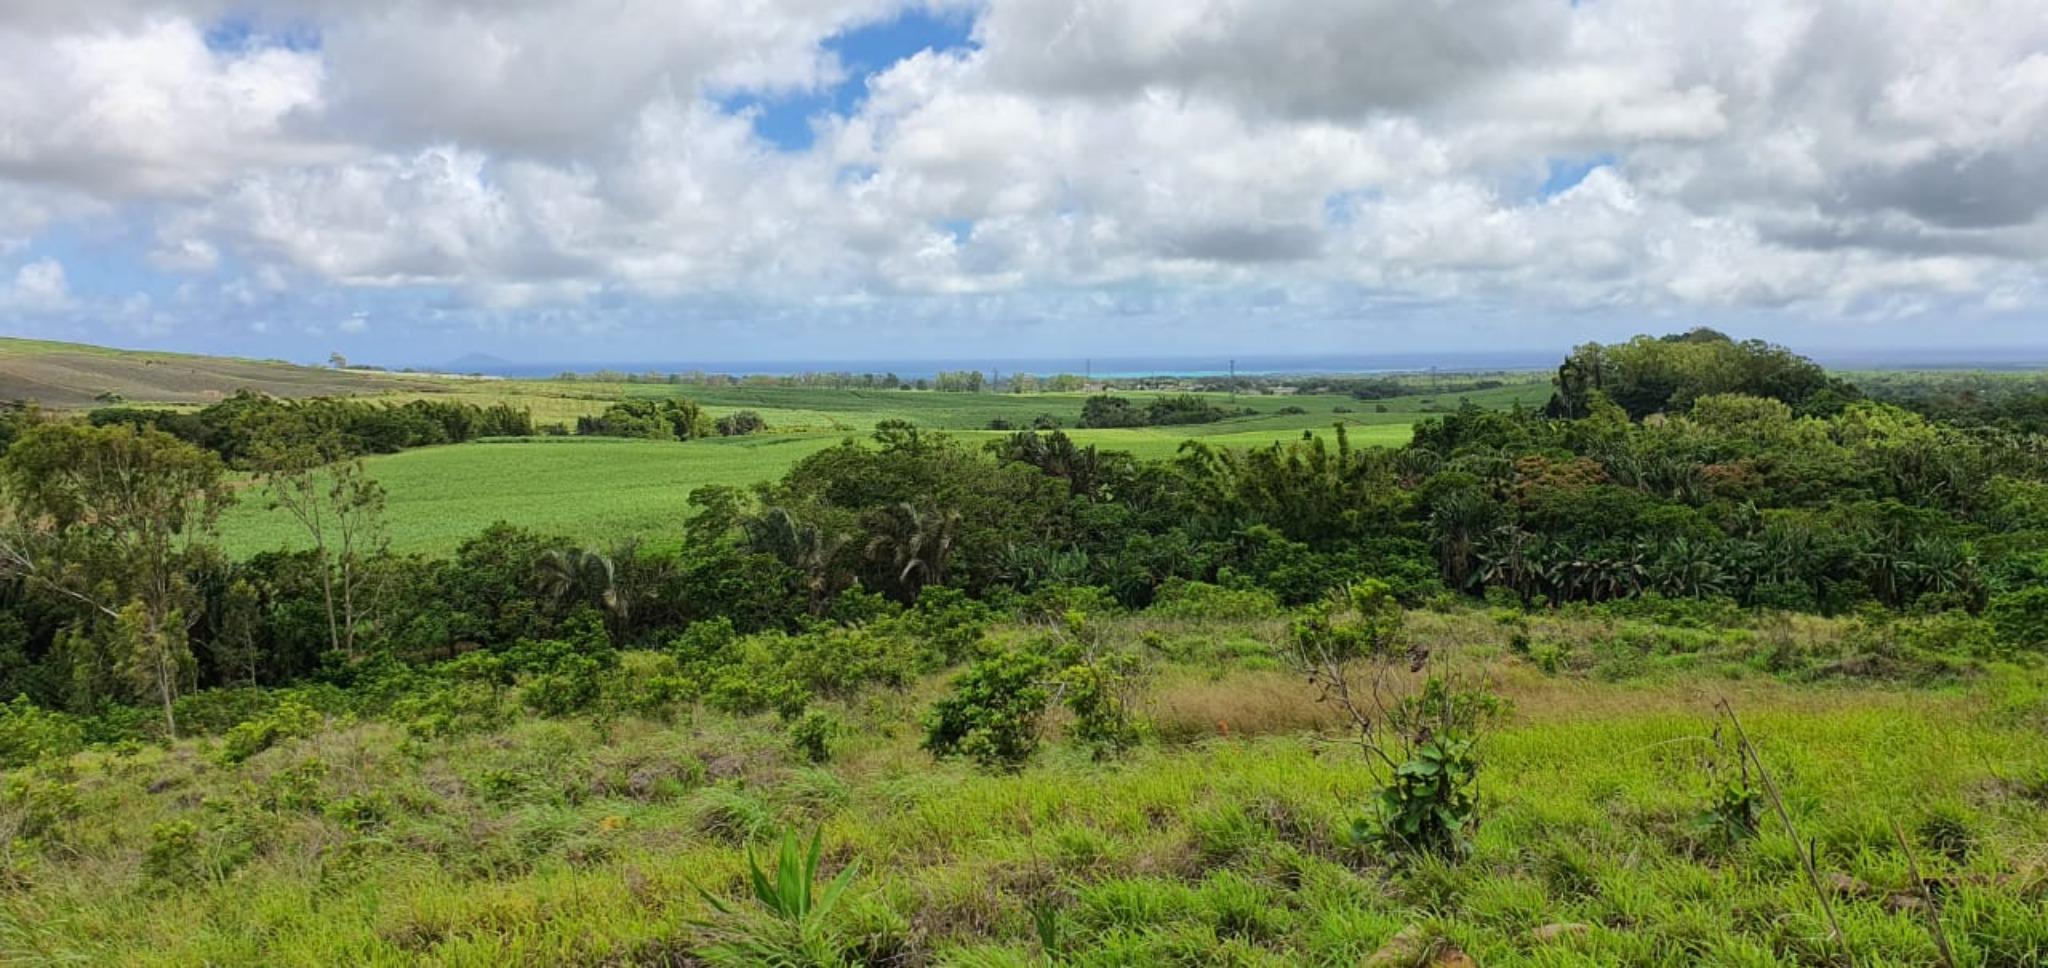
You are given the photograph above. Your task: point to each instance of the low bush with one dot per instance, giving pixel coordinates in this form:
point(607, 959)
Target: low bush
point(288, 720)
point(29, 733)
point(2021, 617)
point(811, 736)
point(992, 716)
point(1199, 601)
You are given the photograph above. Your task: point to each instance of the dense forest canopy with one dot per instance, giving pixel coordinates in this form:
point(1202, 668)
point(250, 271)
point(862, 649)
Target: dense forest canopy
point(1649, 375)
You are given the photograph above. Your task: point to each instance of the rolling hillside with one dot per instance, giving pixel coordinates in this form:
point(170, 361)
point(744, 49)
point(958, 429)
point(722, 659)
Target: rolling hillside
point(73, 375)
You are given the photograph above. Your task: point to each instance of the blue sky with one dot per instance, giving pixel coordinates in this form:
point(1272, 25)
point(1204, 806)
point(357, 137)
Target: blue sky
point(847, 179)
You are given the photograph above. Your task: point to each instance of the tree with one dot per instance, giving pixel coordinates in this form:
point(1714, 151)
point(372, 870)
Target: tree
point(740, 423)
point(340, 508)
point(914, 546)
point(807, 549)
point(1105, 410)
point(575, 575)
point(106, 516)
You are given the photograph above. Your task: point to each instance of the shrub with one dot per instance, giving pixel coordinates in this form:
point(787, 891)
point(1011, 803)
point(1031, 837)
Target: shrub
point(2021, 617)
point(992, 717)
point(1432, 804)
point(812, 734)
point(572, 685)
point(42, 802)
point(173, 852)
point(455, 709)
point(668, 419)
point(1426, 736)
point(1106, 410)
point(1101, 692)
point(289, 720)
point(364, 811)
point(740, 423)
point(1099, 687)
point(1193, 600)
point(1734, 806)
point(29, 733)
point(1185, 408)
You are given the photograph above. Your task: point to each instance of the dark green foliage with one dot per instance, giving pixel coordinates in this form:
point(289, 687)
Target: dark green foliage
point(669, 418)
point(844, 573)
point(239, 427)
point(1109, 410)
point(992, 716)
point(1185, 408)
point(1657, 375)
point(1947, 832)
point(1106, 410)
point(2021, 617)
point(740, 423)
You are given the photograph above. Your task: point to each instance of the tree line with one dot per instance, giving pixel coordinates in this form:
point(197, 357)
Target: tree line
point(114, 596)
point(236, 428)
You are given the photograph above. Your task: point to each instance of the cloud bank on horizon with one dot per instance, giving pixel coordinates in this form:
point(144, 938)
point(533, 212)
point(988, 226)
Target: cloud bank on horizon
point(579, 179)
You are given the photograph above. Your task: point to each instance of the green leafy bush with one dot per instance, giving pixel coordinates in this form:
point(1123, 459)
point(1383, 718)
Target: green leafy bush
point(740, 423)
point(1199, 601)
point(2021, 617)
point(30, 733)
point(173, 852)
point(289, 720)
point(43, 802)
point(812, 735)
point(1099, 686)
point(992, 717)
point(1432, 804)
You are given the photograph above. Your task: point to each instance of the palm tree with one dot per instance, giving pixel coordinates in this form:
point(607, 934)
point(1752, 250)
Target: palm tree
point(1459, 520)
point(807, 549)
point(914, 546)
point(575, 575)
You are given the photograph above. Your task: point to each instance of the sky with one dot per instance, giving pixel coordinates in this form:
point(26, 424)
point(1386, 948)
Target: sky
point(411, 181)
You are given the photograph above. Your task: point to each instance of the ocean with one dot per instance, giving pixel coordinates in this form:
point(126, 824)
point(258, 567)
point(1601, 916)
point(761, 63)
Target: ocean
point(1987, 358)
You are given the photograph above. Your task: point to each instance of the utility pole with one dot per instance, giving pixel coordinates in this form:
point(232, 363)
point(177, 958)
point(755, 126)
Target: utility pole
point(1233, 381)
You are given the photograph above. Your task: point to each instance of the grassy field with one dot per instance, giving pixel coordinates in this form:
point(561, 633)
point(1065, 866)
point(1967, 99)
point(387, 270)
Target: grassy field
point(586, 841)
point(74, 375)
point(600, 490)
point(825, 410)
point(604, 490)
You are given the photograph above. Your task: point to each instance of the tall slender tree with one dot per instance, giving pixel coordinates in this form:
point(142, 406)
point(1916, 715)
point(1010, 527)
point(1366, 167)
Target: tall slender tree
point(340, 509)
